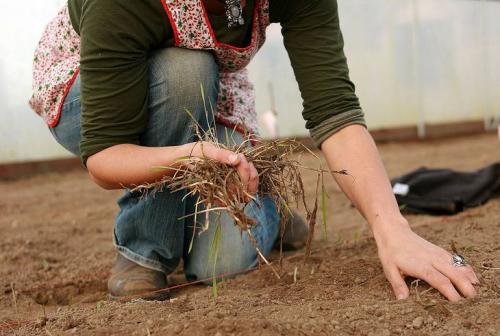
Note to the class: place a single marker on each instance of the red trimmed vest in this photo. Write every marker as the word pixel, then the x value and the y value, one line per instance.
pixel 57 60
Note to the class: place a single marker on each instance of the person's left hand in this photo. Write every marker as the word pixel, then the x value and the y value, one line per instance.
pixel 404 253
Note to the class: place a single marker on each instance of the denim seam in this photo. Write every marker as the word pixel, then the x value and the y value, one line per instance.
pixel 139 259
pixel 142 261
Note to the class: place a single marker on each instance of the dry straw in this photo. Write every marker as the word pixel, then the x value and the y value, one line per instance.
pixel 217 186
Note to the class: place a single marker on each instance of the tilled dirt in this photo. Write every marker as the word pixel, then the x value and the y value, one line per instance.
pixel 56 251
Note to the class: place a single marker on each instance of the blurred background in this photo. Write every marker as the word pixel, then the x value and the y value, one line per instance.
pixel 415 63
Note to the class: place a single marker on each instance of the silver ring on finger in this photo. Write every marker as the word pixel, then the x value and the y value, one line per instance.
pixel 458 260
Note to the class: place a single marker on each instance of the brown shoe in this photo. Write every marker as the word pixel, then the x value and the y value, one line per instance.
pixel 296 233
pixel 129 280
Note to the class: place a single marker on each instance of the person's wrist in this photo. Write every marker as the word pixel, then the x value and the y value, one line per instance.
pixel 190 149
pixel 175 155
pixel 387 228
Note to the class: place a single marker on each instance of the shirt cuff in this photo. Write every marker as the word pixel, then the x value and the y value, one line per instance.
pixel 334 124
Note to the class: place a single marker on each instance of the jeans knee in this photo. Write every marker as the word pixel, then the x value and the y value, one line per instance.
pixel 228 265
pixel 177 77
pixel 185 72
pixel 236 250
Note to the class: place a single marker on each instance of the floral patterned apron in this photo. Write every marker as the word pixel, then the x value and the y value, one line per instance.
pixel 55 67
pixel 57 60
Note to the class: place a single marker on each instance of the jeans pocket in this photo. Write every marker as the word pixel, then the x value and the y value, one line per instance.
pixel 67 130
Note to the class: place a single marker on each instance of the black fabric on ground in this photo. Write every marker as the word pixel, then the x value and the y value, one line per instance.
pixel 444 191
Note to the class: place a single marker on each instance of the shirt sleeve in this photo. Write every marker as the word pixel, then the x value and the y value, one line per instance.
pixel 116 37
pixel 315 46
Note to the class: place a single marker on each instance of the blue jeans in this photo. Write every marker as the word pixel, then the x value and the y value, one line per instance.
pixel 149 230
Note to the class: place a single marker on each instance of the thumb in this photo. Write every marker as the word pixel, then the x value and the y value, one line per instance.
pixel 233 159
pixel 398 283
pixel 210 151
pixel 227 157
pixel 224 156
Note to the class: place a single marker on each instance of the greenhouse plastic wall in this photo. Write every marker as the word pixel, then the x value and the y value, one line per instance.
pixel 414 62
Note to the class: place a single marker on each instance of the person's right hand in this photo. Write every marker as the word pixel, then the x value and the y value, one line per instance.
pixel 249 176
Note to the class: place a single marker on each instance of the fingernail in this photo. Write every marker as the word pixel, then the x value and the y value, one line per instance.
pixel 401 296
pixel 233 158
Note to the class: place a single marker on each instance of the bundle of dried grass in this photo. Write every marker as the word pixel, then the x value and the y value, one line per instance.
pixel 218 187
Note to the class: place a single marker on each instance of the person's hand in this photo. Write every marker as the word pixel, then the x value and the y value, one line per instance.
pixel 404 253
pixel 249 176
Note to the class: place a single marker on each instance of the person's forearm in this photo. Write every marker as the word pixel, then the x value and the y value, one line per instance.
pixel 128 165
pixel 401 251
pixel 367 185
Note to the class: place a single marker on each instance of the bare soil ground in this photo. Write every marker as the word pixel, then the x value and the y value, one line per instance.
pixel 56 250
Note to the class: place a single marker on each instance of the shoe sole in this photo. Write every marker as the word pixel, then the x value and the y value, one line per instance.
pixel 152 297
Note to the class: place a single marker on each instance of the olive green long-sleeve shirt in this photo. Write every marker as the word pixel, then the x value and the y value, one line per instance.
pixel 118 35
